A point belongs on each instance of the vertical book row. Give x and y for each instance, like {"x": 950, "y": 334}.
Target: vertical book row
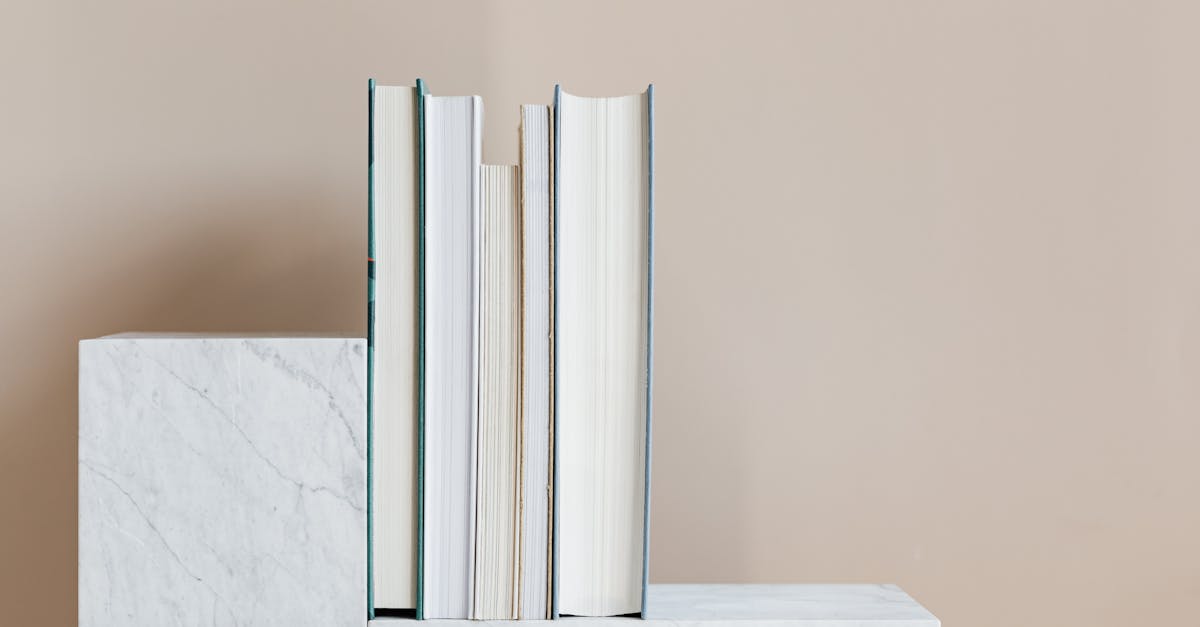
{"x": 510, "y": 358}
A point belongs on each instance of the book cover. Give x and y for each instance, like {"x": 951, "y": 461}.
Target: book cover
{"x": 649, "y": 343}
{"x": 421, "y": 92}
{"x": 390, "y": 233}
{"x": 556, "y": 116}
{"x": 370, "y": 338}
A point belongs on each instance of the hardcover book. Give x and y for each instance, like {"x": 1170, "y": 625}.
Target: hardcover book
{"x": 603, "y": 269}
{"x": 452, "y": 132}
{"x": 392, "y": 331}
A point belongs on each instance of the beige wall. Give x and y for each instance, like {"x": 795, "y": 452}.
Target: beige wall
{"x": 928, "y": 278}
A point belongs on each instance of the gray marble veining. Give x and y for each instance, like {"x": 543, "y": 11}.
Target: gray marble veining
{"x": 222, "y": 480}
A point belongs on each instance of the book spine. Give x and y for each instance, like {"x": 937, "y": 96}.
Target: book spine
{"x": 551, "y": 564}
{"x": 420, "y": 96}
{"x": 370, "y": 341}
{"x": 649, "y": 338}
{"x": 553, "y": 346}
{"x": 476, "y": 328}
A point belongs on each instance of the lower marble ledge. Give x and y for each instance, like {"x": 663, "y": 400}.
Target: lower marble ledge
{"x": 757, "y": 605}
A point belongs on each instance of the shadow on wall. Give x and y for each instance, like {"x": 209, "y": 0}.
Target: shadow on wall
{"x": 290, "y": 256}
{"x": 253, "y": 263}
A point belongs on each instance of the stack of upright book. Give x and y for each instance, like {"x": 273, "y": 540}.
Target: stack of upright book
{"x": 509, "y": 368}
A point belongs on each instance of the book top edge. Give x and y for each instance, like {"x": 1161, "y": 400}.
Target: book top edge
{"x": 641, "y": 94}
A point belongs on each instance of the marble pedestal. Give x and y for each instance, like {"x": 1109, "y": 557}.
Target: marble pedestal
{"x": 222, "y": 480}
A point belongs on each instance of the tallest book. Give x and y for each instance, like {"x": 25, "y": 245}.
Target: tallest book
{"x": 603, "y": 268}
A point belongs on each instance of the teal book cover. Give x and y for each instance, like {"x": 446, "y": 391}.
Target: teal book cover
{"x": 371, "y": 334}
{"x": 370, "y": 337}
{"x": 422, "y": 91}
{"x": 649, "y": 338}
{"x": 556, "y": 117}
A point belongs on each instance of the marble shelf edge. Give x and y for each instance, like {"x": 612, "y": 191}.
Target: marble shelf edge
{"x": 753, "y": 605}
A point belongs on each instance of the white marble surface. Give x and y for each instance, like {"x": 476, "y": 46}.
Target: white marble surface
{"x": 222, "y": 480}
{"x": 754, "y": 605}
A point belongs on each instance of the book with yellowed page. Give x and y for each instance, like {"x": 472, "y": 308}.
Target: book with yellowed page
{"x": 513, "y": 496}
{"x": 497, "y": 473}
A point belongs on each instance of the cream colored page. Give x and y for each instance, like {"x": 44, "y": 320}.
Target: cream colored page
{"x": 601, "y": 352}
{"x": 394, "y": 407}
{"x": 499, "y": 397}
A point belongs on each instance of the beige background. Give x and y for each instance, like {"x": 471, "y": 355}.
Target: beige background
{"x": 928, "y": 285}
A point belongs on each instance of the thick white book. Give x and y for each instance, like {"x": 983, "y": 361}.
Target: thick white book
{"x": 452, "y": 153}
{"x": 536, "y": 493}
{"x": 392, "y": 334}
{"x": 496, "y": 564}
{"x": 602, "y": 348}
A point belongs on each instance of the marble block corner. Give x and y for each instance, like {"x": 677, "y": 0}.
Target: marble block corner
{"x": 222, "y": 480}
